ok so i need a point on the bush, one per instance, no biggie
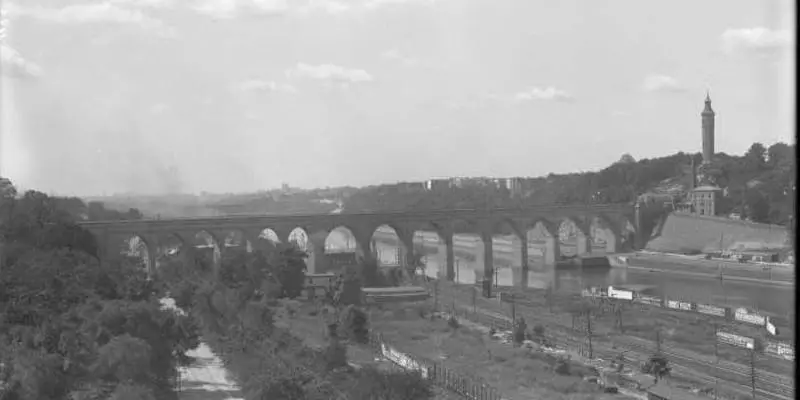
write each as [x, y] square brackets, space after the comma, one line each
[519, 331]
[538, 332]
[349, 289]
[335, 355]
[400, 385]
[355, 324]
[562, 367]
[452, 322]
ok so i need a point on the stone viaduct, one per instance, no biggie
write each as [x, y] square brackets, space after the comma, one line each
[484, 223]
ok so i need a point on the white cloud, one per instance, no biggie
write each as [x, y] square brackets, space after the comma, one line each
[396, 55]
[330, 73]
[14, 65]
[372, 4]
[225, 9]
[96, 13]
[661, 83]
[326, 6]
[756, 40]
[549, 93]
[266, 86]
[11, 62]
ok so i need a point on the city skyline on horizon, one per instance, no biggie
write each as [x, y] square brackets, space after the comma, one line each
[395, 91]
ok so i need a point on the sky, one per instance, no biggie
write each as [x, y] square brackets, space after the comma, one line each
[165, 96]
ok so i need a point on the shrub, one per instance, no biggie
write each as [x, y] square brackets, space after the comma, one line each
[335, 355]
[538, 332]
[562, 367]
[355, 324]
[400, 385]
[349, 291]
[452, 322]
[519, 331]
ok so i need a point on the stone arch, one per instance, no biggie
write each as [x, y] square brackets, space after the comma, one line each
[137, 245]
[542, 244]
[342, 238]
[471, 255]
[574, 236]
[607, 232]
[509, 252]
[390, 244]
[205, 243]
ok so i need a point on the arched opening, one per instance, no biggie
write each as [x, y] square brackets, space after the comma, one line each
[340, 240]
[206, 247]
[506, 253]
[388, 248]
[468, 253]
[429, 247]
[569, 236]
[169, 248]
[541, 244]
[315, 256]
[232, 239]
[136, 248]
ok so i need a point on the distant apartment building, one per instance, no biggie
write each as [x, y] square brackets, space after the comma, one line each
[438, 184]
[412, 186]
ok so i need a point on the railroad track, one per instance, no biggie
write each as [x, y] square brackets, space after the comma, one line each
[767, 386]
[772, 390]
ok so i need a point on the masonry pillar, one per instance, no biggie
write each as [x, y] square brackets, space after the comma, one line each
[612, 242]
[519, 275]
[153, 247]
[638, 239]
[552, 251]
[251, 242]
[187, 252]
[488, 256]
[583, 244]
[450, 270]
[316, 262]
[365, 253]
[405, 247]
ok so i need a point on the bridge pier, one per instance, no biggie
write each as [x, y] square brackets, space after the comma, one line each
[552, 250]
[449, 272]
[519, 275]
[583, 244]
[488, 256]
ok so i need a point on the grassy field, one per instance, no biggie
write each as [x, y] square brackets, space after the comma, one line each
[686, 334]
[518, 374]
[305, 321]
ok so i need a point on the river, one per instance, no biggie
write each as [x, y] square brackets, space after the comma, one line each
[770, 299]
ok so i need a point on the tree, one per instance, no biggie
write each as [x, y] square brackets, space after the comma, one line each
[72, 328]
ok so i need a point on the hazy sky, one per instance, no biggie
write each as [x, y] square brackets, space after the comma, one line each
[225, 95]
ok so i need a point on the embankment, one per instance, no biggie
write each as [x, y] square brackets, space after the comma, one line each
[682, 233]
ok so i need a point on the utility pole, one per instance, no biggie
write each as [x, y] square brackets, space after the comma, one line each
[658, 340]
[589, 331]
[753, 371]
[474, 300]
[513, 307]
[716, 343]
[436, 295]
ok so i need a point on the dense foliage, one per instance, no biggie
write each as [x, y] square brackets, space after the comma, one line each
[235, 306]
[71, 328]
[760, 185]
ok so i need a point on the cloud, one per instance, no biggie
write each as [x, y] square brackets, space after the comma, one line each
[326, 6]
[330, 73]
[12, 64]
[661, 83]
[756, 40]
[266, 86]
[372, 4]
[226, 9]
[96, 13]
[549, 93]
[396, 55]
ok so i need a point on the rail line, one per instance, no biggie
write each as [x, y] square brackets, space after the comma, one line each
[769, 392]
[767, 386]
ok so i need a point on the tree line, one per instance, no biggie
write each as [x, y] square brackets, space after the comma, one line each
[759, 185]
[75, 328]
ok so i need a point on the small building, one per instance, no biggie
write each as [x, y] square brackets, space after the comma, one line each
[704, 199]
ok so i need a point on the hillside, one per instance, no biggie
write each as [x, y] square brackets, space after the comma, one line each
[759, 185]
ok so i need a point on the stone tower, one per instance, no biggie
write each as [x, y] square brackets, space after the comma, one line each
[708, 131]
